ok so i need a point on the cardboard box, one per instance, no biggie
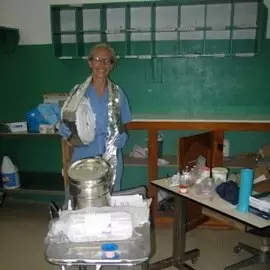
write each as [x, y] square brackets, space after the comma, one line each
[55, 98]
[17, 127]
[261, 173]
[263, 186]
[265, 151]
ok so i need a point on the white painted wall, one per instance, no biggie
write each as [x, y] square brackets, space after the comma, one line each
[267, 3]
[32, 17]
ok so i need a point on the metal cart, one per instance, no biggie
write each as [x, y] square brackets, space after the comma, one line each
[133, 251]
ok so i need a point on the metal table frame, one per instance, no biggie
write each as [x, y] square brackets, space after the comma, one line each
[179, 256]
[144, 266]
[217, 205]
[53, 209]
[53, 257]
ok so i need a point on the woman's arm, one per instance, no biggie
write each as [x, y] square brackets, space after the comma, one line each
[126, 117]
[125, 111]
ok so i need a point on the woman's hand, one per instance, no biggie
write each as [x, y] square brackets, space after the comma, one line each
[121, 140]
[64, 131]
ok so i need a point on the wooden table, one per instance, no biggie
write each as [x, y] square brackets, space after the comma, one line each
[217, 124]
[154, 124]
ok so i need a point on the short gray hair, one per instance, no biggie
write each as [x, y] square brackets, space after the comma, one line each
[102, 46]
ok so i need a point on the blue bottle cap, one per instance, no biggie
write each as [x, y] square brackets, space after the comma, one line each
[109, 247]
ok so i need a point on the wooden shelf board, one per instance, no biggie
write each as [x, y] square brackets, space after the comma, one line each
[231, 162]
[19, 134]
[130, 161]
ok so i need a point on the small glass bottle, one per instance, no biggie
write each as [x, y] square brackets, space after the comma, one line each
[186, 175]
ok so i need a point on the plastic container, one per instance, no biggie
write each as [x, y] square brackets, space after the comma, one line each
[183, 188]
[226, 148]
[219, 174]
[205, 172]
[206, 188]
[9, 173]
[109, 251]
[160, 144]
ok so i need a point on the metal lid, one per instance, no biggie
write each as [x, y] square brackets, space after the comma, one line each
[88, 169]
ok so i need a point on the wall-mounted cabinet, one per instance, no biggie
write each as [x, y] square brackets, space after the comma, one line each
[9, 39]
[160, 29]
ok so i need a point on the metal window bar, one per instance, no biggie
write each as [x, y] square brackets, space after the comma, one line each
[128, 26]
[79, 32]
[153, 29]
[55, 29]
[259, 25]
[231, 48]
[204, 30]
[178, 48]
[103, 22]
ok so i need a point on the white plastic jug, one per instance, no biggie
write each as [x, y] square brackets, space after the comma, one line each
[226, 148]
[10, 175]
[219, 174]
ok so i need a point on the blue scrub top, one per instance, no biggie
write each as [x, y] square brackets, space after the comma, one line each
[100, 108]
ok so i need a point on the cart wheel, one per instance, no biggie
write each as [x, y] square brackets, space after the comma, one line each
[194, 260]
[236, 249]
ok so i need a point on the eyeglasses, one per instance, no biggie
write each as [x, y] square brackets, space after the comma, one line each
[99, 60]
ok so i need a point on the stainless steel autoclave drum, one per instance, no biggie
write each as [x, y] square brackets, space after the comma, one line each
[90, 182]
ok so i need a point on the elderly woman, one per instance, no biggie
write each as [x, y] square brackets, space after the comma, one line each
[101, 60]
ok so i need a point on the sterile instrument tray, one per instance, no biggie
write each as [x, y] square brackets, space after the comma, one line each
[133, 251]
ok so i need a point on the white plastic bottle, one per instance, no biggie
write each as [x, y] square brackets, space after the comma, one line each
[9, 173]
[226, 148]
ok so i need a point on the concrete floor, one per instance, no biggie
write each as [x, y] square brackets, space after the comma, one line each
[23, 226]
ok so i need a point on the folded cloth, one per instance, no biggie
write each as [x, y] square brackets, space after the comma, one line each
[228, 191]
[85, 121]
[91, 225]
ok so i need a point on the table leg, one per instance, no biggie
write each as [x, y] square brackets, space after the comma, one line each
[82, 267]
[145, 266]
[2, 199]
[179, 256]
[62, 267]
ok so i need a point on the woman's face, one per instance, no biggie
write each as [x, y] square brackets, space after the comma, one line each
[101, 63]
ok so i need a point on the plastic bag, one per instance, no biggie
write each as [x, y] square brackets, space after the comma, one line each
[50, 113]
[97, 224]
[34, 119]
[43, 114]
[90, 224]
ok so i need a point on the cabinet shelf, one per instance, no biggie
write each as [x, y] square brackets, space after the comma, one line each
[164, 56]
[172, 28]
[65, 33]
[130, 161]
[167, 30]
[26, 134]
[232, 162]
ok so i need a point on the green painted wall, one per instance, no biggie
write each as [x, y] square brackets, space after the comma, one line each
[168, 86]
[201, 86]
